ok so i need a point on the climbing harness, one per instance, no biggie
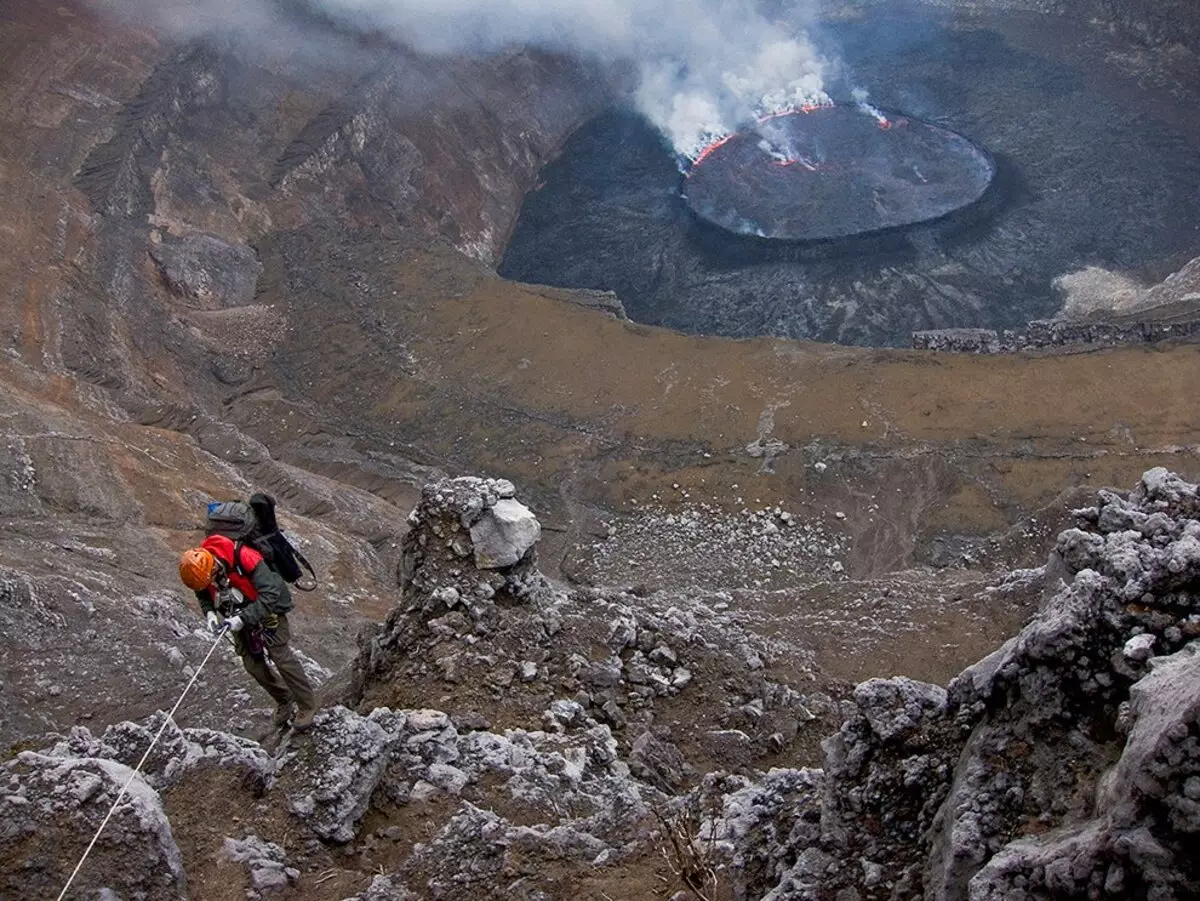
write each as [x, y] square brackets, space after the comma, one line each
[141, 763]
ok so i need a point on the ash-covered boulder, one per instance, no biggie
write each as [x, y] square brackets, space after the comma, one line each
[417, 756]
[479, 853]
[504, 534]
[266, 865]
[1064, 765]
[176, 751]
[1139, 841]
[470, 540]
[467, 574]
[769, 829]
[339, 775]
[207, 271]
[51, 806]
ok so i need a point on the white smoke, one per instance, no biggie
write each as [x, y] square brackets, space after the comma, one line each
[860, 98]
[704, 67]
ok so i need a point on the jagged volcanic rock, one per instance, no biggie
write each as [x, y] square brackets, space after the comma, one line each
[1064, 765]
[509, 644]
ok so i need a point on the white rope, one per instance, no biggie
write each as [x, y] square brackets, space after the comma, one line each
[138, 768]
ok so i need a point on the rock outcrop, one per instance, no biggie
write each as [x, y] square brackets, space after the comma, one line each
[1054, 333]
[479, 620]
[1064, 765]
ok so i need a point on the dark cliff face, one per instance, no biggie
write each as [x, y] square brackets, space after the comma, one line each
[170, 147]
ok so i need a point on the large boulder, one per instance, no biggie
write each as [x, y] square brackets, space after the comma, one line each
[504, 534]
[207, 271]
[470, 542]
[51, 806]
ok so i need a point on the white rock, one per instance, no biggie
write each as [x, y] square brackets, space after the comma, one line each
[1139, 648]
[422, 790]
[426, 720]
[449, 779]
[503, 534]
[565, 712]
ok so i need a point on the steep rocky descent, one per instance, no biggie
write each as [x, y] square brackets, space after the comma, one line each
[143, 177]
[566, 717]
[94, 512]
[1065, 765]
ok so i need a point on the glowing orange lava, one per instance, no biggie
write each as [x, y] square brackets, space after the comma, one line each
[712, 147]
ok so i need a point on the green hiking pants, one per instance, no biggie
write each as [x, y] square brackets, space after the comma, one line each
[285, 681]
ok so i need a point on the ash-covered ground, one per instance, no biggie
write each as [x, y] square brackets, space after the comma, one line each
[1096, 163]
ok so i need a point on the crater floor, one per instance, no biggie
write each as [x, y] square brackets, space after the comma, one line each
[832, 172]
[1093, 169]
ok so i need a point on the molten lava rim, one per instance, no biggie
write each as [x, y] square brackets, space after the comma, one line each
[835, 171]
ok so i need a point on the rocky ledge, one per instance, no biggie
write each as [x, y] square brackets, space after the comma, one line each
[598, 745]
[1053, 333]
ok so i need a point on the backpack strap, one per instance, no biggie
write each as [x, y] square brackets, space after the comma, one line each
[300, 558]
[303, 561]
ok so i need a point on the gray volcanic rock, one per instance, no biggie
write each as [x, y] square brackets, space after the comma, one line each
[474, 518]
[349, 756]
[1064, 765]
[1146, 815]
[503, 534]
[177, 751]
[265, 861]
[767, 828]
[504, 636]
[210, 272]
[139, 857]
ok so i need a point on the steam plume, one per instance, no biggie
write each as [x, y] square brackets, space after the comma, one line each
[704, 66]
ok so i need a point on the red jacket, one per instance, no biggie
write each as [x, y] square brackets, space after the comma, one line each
[262, 590]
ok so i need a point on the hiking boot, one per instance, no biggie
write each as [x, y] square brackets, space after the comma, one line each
[283, 714]
[303, 720]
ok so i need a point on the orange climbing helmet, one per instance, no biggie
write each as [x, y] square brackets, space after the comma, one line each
[196, 568]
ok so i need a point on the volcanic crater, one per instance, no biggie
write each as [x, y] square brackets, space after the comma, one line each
[1036, 107]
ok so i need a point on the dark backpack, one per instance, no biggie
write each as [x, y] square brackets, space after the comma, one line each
[253, 522]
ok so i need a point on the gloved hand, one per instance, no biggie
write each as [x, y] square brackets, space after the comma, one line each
[214, 622]
[234, 623]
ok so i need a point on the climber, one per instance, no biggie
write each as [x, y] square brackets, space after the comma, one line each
[246, 597]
